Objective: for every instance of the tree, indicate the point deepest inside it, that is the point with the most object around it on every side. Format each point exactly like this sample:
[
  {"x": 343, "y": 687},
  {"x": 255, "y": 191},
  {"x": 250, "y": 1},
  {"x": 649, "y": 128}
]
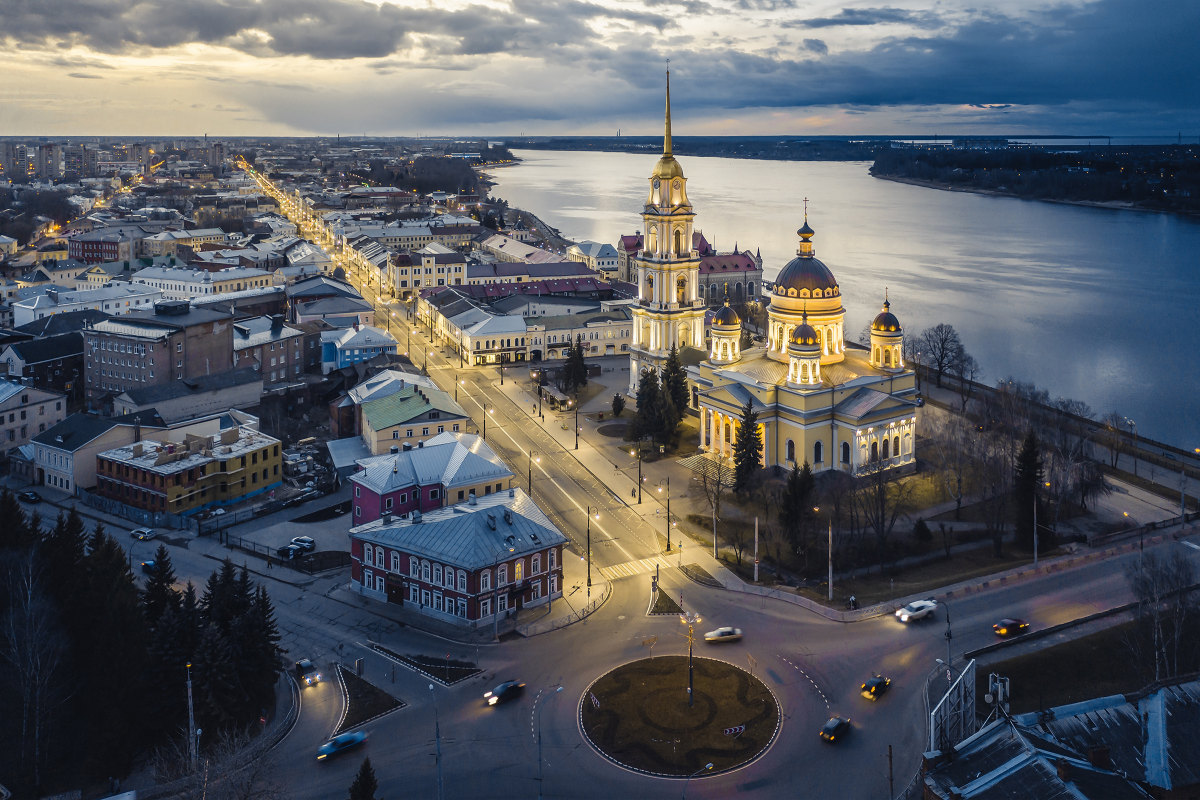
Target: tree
[
  {"x": 575, "y": 369},
  {"x": 747, "y": 450},
  {"x": 964, "y": 369},
  {"x": 954, "y": 440},
  {"x": 16, "y": 533},
  {"x": 795, "y": 508},
  {"x": 939, "y": 345},
  {"x": 1027, "y": 482},
  {"x": 618, "y": 404},
  {"x": 159, "y": 594},
  {"x": 716, "y": 479},
  {"x": 1112, "y": 436},
  {"x": 648, "y": 421},
  {"x": 1165, "y": 615},
  {"x": 365, "y": 784},
  {"x": 880, "y": 501},
  {"x": 674, "y": 381}
]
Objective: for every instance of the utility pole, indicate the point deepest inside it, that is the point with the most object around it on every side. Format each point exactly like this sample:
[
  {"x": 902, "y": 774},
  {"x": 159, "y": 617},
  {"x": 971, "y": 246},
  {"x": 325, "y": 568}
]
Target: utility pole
[
  {"x": 589, "y": 548},
  {"x": 829, "y": 547},
  {"x": 193, "y": 754},
  {"x": 755, "y": 549},
  {"x": 668, "y": 513},
  {"x": 576, "y": 422},
  {"x": 891, "y": 780},
  {"x": 437, "y": 735}
]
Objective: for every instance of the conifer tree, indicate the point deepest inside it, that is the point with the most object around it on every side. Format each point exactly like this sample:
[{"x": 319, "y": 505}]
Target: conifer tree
[
  {"x": 747, "y": 449},
  {"x": 15, "y": 531},
  {"x": 575, "y": 368},
  {"x": 647, "y": 422},
  {"x": 674, "y": 381},
  {"x": 217, "y": 692},
  {"x": 256, "y": 636},
  {"x": 795, "y": 505},
  {"x": 159, "y": 594},
  {"x": 365, "y": 784},
  {"x": 1026, "y": 485}
]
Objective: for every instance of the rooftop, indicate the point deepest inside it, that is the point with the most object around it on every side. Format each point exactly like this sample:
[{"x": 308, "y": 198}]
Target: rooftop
[
  {"x": 448, "y": 459},
  {"x": 168, "y": 458}
]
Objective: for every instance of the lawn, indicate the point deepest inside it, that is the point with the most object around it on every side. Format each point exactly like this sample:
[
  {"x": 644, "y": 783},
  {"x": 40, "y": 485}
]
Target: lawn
[
  {"x": 446, "y": 671},
  {"x": 365, "y": 701},
  {"x": 638, "y": 715},
  {"x": 664, "y": 604}
]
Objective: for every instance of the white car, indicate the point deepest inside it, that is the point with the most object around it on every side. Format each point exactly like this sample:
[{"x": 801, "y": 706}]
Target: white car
[
  {"x": 143, "y": 533},
  {"x": 917, "y": 609},
  {"x": 726, "y": 634}
]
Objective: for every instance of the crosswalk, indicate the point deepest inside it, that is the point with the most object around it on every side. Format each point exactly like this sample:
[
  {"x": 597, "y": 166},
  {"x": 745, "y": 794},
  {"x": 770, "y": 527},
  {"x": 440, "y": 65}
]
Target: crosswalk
[{"x": 631, "y": 568}]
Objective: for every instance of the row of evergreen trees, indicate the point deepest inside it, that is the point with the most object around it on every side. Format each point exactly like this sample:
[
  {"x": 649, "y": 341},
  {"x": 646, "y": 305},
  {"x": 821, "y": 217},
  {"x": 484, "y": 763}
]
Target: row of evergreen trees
[{"x": 95, "y": 669}]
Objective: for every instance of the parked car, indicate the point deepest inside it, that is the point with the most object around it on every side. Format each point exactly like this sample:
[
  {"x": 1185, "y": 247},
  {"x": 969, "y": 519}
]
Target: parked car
[
  {"x": 307, "y": 673},
  {"x": 143, "y": 534},
  {"x": 917, "y": 609},
  {"x": 29, "y": 497},
  {"x": 875, "y": 686},
  {"x": 1010, "y": 627},
  {"x": 504, "y": 692},
  {"x": 148, "y": 567},
  {"x": 289, "y": 551},
  {"x": 835, "y": 729},
  {"x": 725, "y": 634},
  {"x": 305, "y": 543},
  {"x": 338, "y": 744}
]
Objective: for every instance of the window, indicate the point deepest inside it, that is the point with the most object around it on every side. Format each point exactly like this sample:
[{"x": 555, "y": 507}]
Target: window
[
  {"x": 818, "y": 453},
  {"x": 485, "y": 608},
  {"x": 550, "y": 557},
  {"x": 790, "y": 450},
  {"x": 462, "y": 581},
  {"x": 387, "y": 504},
  {"x": 425, "y": 571},
  {"x": 434, "y": 494},
  {"x": 366, "y": 578},
  {"x": 179, "y": 347},
  {"x": 536, "y": 564},
  {"x": 845, "y": 452},
  {"x": 437, "y": 573},
  {"x": 357, "y": 489},
  {"x": 502, "y": 574},
  {"x": 413, "y": 566},
  {"x": 485, "y": 580},
  {"x": 519, "y": 570}
]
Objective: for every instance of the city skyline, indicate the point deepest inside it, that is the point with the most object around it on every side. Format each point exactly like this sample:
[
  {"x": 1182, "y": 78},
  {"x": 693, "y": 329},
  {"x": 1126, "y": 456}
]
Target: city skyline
[{"x": 354, "y": 67}]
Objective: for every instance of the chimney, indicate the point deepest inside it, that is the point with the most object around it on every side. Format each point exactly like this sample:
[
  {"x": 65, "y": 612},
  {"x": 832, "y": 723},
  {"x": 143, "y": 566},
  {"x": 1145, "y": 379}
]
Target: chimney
[
  {"x": 276, "y": 323},
  {"x": 471, "y": 498},
  {"x": 1098, "y": 756},
  {"x": 420, "y": 444},
  {"x": 1064, "y": 769},
  {"x": 394, "y": 449},
  {"x": 387, "y": 518},
  {"x": 416, "y": 516},
  {"x": 491, "y": 520},
  {"x": 508, "y": 516},
  {"x": 407, "y": 446},
  {"x": 137, "y": 429}
]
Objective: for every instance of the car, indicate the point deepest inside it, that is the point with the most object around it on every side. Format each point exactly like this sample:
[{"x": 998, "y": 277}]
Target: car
[
  {"x": 835, "y": 729},
  {"x": 289, "y": 551},
  {"x": 917, "y": 609},
  {"x": 29, "y": 497},
  {"x": 1010, "y": 627},
  {"x": 148, "y": 567},
  {"x": 143, "y": 533},
  {"x": 875, "y": 686},
  {"x": 726, "y": 634},
  {"x": 307, "y": 673},
  {"x": 504, "y": 692},
  {"x": 340, "y": 744},
  {"x": 305, "y": 543}
]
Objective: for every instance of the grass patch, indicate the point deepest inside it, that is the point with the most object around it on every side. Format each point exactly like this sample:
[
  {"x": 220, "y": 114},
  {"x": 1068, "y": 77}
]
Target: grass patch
[
  {"x": 664, "y": 604},
  {"x": 364, "y": 702},
  {"x": 638, "y": 715},
  {"x": 446, "y": 671}
]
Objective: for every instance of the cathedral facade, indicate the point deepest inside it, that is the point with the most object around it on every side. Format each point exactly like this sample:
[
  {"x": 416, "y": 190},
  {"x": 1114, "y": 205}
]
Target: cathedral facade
[{"x": 819, "y": 400}]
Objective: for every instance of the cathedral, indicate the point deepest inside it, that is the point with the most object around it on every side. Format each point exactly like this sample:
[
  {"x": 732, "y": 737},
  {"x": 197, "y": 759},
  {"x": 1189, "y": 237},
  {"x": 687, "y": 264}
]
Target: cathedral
[{"x": 818, "y": 400}]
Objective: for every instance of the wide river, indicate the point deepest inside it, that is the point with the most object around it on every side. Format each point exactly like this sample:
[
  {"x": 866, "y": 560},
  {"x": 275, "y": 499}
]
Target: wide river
[{"x": 1094, "y": 304}]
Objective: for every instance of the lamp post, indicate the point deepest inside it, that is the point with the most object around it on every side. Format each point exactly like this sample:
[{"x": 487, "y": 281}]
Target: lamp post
[
  {"x": 539, "y": 460},
  {"x": 437, "y": 736},
  {"x": 501, "y": 368},
  {"x": 660, "y": 488},
  {"x": 576, "y": 423},
  {"x": 1133, "y": 430},
  {"x": 705, "y": 768},
  {"x": 690, "y": 619},
  {"x": 589, "y": 548},
  {"x": 639, "y": 458},
  {"x": 485, "y": 419},
  {"x": 193, "y": 745},
  {"x": 949, "y": 637},
  {"x": 539, "y": 739},
  {"x": 829, "y": 552}
]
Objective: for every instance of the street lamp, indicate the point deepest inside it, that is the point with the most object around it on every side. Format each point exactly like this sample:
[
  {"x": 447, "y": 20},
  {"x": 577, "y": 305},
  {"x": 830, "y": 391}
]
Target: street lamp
[
  {"x": 437, "y": 735},
  {"x": 691, "y": 619},
  {"x": 589, "y": 547},
  {"x": 1133, "y": 430},
  {"x": 829, "y": 552},
  {"x": 660, "y": 488},
  {"x": 576, "y": 425},
  {"x": 539, "y": 460},
  {"x": 705, "y": 768},
  {"x": 485, "y": 419},
  {"x": 539, "y": 739},
  {"x": 639, "y": 458},
  {"x": 193, "y": 745}
]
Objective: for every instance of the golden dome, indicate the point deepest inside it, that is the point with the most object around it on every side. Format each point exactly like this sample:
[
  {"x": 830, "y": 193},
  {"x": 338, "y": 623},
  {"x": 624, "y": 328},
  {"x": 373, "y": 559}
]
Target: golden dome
[
  {"x": 885, "y": 321},
  {"x": 667, "y": 168}
]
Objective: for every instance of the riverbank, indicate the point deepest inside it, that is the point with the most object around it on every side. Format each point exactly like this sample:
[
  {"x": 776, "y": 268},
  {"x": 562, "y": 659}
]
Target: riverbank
[{"x": 1112, "y": 205}]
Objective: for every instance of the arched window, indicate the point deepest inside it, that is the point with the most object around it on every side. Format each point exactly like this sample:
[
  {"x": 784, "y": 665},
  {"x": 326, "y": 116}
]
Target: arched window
[
  {"x": 536, "y": 565},
  {"x": 462, "y": 581},
  {"x": 791, "y": 450},
  {"x": 818, "y": 453},
  {"x": 874, "y": 451},
  {"x": 896, "y": 446},
  {"x": 678, "y": 242},
  {"x": 828, "y": 341},
  {"x": 519, "y": 570},
  {"x": 502, "y": 575},
  {"x": 395, "y": 561},
  {"x": 886, "y": 445},
  {"x": 414, "y": 566},
  {"x": 485, "y": 580},
  {"x": 845, "y": 452},
  {"x": 425, "y": 571},
  {"x": 887, "y": 358}
]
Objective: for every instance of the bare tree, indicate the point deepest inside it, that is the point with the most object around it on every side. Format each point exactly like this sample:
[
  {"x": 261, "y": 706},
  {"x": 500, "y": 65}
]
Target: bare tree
[
  {"x": 939, "y": 345},
  {"x": 954, "y": 439},
  {"x": 1165, "y": 610},
  {"x": 34, "y": 648},
  {"x": 1111, "y": 436},
  {"x": 881, "y": 502},
  {"x": 913, "y": 356},
  {"x": 965, "y": 370},
  {"x": 716, "y": 480},
  {"x": 232, "y": 768}
]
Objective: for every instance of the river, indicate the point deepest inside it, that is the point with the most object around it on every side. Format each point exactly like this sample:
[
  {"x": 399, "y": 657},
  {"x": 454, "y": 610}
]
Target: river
[{"x": 1093, "y": 304}]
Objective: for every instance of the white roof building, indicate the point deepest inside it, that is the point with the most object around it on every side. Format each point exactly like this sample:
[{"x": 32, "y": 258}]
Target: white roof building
[{"x": 112, "y": 299}]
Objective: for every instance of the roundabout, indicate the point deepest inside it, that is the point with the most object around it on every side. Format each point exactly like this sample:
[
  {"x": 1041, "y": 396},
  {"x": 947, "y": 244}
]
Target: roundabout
[{"x": 638, "y": 716}]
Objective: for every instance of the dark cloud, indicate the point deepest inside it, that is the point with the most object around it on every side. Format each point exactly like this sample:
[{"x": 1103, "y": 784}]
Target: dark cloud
[
  {"x": 322, "y": 29},
  {"x": 872, "y": 16},
  {"x": 816, "y": 46},
  {"x": 83, "y": 75},
  {"x": 764, "y": 5}
]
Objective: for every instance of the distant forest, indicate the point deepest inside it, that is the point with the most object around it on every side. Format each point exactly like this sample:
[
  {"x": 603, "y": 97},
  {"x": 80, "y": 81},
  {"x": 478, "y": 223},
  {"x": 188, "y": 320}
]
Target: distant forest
[
  {"x": 763, "y": 147},
  {"x": 1161, "y": 178}
]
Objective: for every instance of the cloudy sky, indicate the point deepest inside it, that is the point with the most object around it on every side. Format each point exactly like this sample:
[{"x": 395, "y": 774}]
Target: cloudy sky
[{"x": 506, "y": 67}]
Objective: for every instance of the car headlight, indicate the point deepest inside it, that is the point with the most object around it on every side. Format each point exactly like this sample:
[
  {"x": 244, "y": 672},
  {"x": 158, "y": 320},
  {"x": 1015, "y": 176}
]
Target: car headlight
[
  {"x": 320, "y": 756},
  {"x": 493, "y": 700},
  {"x": 904, "y": 617}
]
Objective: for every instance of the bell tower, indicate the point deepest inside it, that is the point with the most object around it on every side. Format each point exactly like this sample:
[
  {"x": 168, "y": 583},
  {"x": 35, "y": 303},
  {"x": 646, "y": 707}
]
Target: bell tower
[{"x": 669, "y": 312}]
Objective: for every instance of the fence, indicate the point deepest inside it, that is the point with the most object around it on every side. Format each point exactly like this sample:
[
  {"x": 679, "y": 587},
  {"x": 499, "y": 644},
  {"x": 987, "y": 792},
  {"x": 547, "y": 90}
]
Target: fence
[
  {"x": 545, "y": 626},
  {"x": 308, "y": 563},
  {"x": 138, "y": 516}
]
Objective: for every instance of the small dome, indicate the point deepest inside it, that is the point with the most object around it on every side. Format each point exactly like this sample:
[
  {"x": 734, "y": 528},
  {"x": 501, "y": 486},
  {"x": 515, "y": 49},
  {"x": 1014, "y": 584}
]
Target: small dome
[
  {"x": 667, "y": 168},
  {"x": 805, "y": 231},
  {"x": 805, "y": 336},
  {"x": 727, "y": 317},
  {"x": 885, "y": 321}
]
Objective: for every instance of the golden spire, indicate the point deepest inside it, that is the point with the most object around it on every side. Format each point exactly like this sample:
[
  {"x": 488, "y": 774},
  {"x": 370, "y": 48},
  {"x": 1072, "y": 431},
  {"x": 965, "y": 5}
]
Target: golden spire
[{"x": 667, "y": 134}]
